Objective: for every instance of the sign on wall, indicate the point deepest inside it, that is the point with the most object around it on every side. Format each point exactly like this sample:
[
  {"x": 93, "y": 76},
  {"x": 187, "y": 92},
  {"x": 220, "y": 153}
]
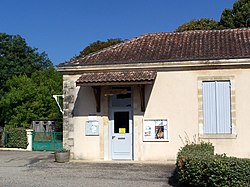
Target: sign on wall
[
  {"x": 92, "y": 128},
  {"x": 155, "y": 130}
]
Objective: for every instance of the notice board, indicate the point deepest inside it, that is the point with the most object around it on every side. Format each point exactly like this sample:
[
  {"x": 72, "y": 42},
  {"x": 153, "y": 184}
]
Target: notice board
[
  {"x": 92, "y": 128},
  {"x": 155, "y": 130}
]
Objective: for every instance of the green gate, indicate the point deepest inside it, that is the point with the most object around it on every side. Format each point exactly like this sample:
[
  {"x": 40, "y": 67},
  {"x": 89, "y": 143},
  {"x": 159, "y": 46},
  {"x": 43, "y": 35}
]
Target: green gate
[{"x": 47, "y": 141}]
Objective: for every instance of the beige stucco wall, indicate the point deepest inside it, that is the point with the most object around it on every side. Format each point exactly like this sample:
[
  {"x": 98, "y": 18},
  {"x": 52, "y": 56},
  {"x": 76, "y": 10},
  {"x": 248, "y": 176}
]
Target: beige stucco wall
[
  {"x": 174, "y": 96},
  {"x": 85, "y": 147}
]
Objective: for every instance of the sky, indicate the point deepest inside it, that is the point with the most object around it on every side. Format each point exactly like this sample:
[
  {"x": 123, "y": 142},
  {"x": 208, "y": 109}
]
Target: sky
[{"x": 63, "y": 28}]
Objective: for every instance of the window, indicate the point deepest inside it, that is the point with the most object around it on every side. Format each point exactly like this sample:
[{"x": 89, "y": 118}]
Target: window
[
  {"x": 122, "y": 97},
  {"x": 121, "y": 120},
  {"x": 216, "y": 107}
]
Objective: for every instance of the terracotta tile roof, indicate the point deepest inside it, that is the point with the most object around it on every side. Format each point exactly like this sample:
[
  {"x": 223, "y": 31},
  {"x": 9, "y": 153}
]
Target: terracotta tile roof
[
  {"x": 190, "y": 45},
  {"x": 116, "y": 77}
]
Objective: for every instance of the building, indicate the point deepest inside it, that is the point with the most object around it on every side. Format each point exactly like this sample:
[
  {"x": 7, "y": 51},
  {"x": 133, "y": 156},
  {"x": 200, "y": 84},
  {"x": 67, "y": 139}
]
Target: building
[{"x": 146, "y": 97}]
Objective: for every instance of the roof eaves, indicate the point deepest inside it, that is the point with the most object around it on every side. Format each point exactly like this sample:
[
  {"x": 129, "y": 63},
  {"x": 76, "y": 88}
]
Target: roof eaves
[{"x": 152, "y": 61}]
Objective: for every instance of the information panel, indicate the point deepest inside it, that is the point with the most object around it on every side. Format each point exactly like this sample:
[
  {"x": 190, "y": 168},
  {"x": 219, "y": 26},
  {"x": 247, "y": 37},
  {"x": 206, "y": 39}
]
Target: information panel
[
  {"x": 92, "y": 128},
  {"x": 155, "y": 130}
]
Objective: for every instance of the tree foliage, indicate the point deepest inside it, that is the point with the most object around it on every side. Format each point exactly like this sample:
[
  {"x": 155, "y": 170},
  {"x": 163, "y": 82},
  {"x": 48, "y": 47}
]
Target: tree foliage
[
  {"x": 200, "y": 24},
  {"x": 17, "y": 58},
  {"x": 22, "y": 97},
  {"x": 238, "y": 16},
  {"x": 98, "y": 45},
  {"x": 30, "y": 98}
]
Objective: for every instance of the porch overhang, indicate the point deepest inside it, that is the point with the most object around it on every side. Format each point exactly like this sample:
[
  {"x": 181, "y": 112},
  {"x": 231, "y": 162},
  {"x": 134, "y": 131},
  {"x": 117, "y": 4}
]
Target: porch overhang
[
  {"x": 116, "y": 78},
  {"x": 97, "y": 79}
]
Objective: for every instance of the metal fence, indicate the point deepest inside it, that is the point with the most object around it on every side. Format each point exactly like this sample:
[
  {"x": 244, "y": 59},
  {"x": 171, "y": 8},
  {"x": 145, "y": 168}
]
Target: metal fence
[{"x": 47, "y": 141}]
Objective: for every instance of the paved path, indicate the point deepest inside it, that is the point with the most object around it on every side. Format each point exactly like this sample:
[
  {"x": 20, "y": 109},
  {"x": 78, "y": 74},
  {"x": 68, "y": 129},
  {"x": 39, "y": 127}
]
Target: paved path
[{"x": 38, "y": 169}]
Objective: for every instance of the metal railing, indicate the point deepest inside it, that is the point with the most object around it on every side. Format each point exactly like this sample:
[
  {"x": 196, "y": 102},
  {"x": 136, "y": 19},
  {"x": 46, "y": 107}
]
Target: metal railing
[{"x": 47, "y": 141}]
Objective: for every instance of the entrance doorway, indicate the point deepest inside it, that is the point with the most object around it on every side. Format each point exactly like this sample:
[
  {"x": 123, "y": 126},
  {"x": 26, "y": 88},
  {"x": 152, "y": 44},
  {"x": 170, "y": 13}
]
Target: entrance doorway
[{"x": 121, "y": 124}]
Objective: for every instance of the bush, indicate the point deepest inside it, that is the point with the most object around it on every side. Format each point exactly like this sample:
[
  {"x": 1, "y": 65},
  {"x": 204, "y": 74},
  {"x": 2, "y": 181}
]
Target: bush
[
  {"x": 16, "y": 138},
  {"x": 186, "y": 156},
  {"x": 228, "y": 171},
  {"x": 194, "y": 149},
  {"x": 199, "y": 167}
]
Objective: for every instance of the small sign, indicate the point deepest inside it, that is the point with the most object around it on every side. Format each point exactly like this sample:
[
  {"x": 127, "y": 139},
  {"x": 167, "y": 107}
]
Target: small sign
[
  {"x": 115, "y": 92},
  {"x": 92, "y": 128},
  {"x": 122, "y": 130}
]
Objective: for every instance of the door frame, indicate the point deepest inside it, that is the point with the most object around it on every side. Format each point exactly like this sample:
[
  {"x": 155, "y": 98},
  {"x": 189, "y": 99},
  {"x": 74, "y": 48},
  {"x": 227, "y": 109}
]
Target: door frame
[
  {"x": 111, "y": 110},
  {"x": 131, "y": 130}
]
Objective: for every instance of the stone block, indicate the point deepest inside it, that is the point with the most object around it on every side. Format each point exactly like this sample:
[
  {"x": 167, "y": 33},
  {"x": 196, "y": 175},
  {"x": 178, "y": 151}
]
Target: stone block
[
  {"x": 65, "y": 105},
  {"x": 71, "y": 142},
  {"x": 69, "y": 98},
  {"x": 71, "y": 128}
]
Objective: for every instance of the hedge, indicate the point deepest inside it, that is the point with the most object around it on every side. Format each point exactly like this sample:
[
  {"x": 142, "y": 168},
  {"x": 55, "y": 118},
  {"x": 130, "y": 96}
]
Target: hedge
[
  {"x": 198, "y": 166},
  {"x": 16, "y": 138}
]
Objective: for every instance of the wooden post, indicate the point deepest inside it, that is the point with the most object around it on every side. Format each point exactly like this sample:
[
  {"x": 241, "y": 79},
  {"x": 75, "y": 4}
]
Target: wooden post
[
  {"x": 142, "y": 97},
  {"x": 97, "y": 93}
]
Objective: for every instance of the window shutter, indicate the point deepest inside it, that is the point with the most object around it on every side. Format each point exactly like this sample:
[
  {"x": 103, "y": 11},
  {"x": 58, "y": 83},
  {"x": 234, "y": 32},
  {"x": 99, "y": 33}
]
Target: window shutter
[
  {"x": 216, "y": 107},
  {"x": 209, "y": 107},
  {"x": 223, "y": 107}
]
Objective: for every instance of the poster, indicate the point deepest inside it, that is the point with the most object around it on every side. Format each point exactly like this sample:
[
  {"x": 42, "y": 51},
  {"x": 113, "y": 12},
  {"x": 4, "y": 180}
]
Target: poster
[{"x": 155, "y": 130}]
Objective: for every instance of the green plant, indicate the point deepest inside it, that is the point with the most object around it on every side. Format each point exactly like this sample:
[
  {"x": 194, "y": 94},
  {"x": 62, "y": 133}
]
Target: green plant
[
  {"x": 184, "y": 161},
  {"x": 198, "y": 166},
  {"x": 16, "y": 138},
  {"x": 62, "y": 150},
  {"x": 194, "y": 149}
]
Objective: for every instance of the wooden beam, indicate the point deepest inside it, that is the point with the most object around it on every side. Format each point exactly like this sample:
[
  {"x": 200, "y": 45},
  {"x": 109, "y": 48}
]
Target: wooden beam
[
  {"x": 97, "y": 93},
  {"x": 142, "y": 97}
]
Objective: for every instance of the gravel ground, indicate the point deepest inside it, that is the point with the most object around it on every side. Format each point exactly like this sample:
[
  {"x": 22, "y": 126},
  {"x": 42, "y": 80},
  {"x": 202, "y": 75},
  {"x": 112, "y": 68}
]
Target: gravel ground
[{"x": 35, "y": 169}]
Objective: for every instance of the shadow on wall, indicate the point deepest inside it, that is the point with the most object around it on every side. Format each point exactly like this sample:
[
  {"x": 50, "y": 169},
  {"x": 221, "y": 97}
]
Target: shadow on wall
[
  {"x": 148, "y": 91},
  {"x": 85, "y": 102}
]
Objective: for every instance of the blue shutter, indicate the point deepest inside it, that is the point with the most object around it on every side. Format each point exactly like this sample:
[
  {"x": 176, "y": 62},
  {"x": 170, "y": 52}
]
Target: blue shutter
[
  {"x": 223, "y": 107},
  {"x": 216, "y": 107},
  {"x": 209, "y": 107}
]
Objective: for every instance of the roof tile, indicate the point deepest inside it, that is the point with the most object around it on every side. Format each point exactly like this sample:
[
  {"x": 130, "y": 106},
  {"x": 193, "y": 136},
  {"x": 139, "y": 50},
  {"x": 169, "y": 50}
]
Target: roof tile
[
  {"x": 116, "y": 76},
  {"x": 175, "y": 46}
]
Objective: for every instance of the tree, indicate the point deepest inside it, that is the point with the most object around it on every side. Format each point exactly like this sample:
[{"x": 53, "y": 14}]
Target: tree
[
  {"x": 201, "y": 24},
  {"x": 17, "y": 58},
  {"x": 98, "y": 45},
  {"x": 30, "y": 98},
  {"x": 238, "y": 17}
]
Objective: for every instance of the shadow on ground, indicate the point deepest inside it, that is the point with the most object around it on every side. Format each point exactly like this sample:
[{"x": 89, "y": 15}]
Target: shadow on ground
[{"x": 173, "y": 180}]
